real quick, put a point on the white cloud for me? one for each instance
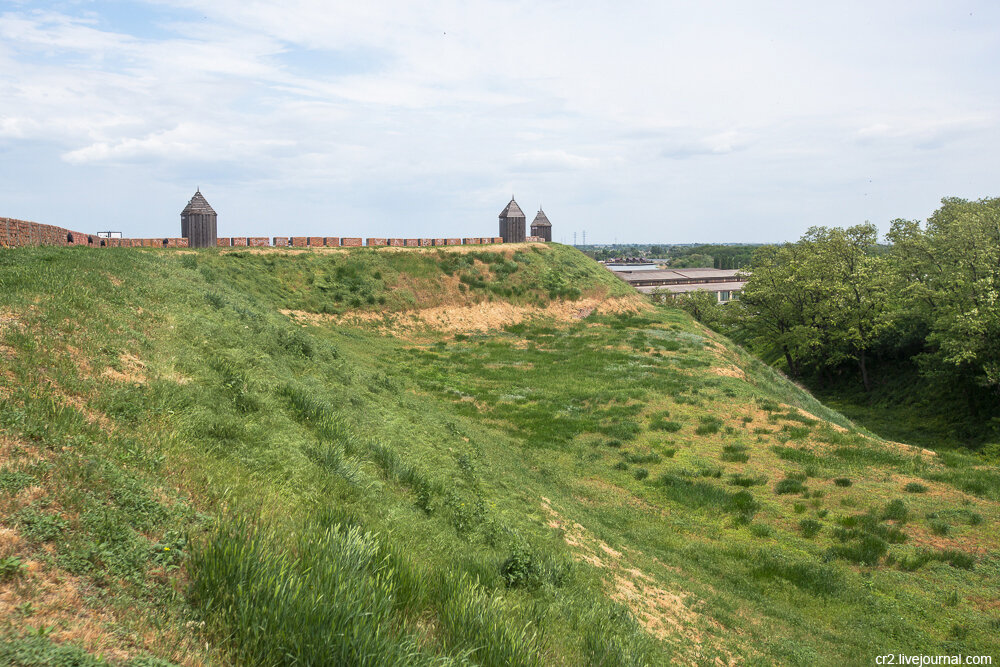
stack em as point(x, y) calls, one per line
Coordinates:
point(559, 100)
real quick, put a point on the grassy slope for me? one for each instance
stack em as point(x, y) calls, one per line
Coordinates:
point(599, 490)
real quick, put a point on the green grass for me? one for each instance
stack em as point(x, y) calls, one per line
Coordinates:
point(329, 493)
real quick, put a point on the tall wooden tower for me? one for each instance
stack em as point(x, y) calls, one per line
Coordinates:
point(199, 222)
point(512, 223)
point(541, 226)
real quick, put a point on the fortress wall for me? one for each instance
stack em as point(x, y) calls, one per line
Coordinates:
point(14, 233)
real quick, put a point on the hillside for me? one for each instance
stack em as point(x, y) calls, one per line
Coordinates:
point(495, 456)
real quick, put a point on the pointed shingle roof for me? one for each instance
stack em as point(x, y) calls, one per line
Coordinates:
point(541, 220)
point(512, 210)
point(198, 204)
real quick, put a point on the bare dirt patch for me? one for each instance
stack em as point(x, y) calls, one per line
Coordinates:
point(507, 249)
point(728, 371)
point(56, 602)
point(133, 370)
point(664, 614)
point(9, 319)
point(481, 317)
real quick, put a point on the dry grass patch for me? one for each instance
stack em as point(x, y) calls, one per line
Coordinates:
point(474, 318)
point(46, 598)
point(664, 614)
point(133, 370)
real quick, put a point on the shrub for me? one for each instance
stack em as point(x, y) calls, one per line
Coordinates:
point(658, 424)
point(641, 473)
point(939, 527)
point(742, 503)
point(953, 557)
point(649, 457)
point(745, 482)
point(703, 494)
point(521, 569)
point(895, 511)
point(797, 432)
point(866, 550)
point(810, 527)
point(915, 487)
point(799, 508)
point(842, 481)
point(956, 558)
point(734, 454)
point(708, 425)
point(760, 530)
point(814, 578)
point(10, 567)
point(789, 485)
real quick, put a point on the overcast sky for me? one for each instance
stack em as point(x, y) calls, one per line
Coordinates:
point(632, 120)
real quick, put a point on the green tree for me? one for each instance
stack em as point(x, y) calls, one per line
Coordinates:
point(703, 305)
point(772, 306)
point(948, 277)
point(851, 281)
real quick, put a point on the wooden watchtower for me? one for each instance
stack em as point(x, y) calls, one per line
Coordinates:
point(199, 222)
point(541, 226)
point(512, 223)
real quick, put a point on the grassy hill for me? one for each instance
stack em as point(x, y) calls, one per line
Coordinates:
point(445, 456)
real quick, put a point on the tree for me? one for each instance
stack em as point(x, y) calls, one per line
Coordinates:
point(851, 280)
point(949, 278)
point(771, 306)
point(818, 302)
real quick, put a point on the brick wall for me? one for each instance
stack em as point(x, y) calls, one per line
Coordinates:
point(25, 233)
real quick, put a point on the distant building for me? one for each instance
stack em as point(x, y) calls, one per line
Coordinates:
point(541, 227)
point(199, 222)
point(726, 284)
point(512, 223)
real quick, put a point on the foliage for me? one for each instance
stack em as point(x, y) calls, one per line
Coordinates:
point(929, 301)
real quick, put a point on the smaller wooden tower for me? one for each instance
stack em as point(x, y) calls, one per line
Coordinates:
point(541, 226)
point(199, 222)
point(512, 223)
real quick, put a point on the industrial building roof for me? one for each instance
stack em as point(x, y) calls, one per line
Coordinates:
point(683, 289)
point(675, 274)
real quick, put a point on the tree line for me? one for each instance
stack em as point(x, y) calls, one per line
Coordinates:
point(837, 298)
point(718, 256)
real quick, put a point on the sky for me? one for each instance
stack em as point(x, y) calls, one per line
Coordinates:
point(632, 121)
